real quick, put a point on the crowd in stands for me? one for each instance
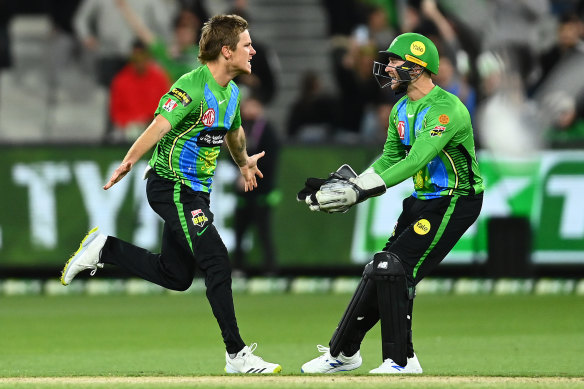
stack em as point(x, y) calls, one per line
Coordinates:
point(514, 63)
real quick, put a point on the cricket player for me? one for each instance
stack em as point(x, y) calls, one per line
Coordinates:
point(429, 138)
point(200, 111)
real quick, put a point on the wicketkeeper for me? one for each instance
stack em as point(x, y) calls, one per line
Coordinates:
point(429, 138)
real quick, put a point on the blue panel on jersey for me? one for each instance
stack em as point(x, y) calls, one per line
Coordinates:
point(420, 121)
point(230, 113)
point(438, 176)
point(188, 163)
point(211, 101)
point(402, 116)
point(209, 183)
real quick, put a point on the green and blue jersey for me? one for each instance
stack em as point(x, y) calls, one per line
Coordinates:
point(200, 112)
point(431, 140)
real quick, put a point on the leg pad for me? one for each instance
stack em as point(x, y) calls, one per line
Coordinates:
point(393, 297)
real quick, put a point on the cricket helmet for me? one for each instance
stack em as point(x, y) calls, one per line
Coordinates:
point(413, 48)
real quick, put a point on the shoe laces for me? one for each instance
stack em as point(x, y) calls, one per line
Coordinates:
point(250, 355)
point(94, 268)
point(325, 350)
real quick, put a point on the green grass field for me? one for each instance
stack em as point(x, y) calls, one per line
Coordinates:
point(174, 341)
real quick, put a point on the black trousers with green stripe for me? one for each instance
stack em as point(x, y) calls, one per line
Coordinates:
point(189, 242)
point(424, 234)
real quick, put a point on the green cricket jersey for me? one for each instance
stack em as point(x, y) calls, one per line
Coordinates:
point(431, 140)
point(200, 112)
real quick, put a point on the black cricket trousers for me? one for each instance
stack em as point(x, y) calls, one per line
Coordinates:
point(424, 234)
point(189, 241)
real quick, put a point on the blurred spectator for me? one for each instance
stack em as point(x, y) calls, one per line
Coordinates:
point(558, 93)
point(265, 65)
point(451, 81)
point(6, 12)
point(452, 31)
point(523, 29)
point(198, 7)
point(358, 30)
point(344, 16)
point(105, 35)
point(440, 28)
point(517, 23)
point(313, 115)
point(568, 43)
point(352, 68)
point(567, 127)
point(378, 29)
point(375, 122)
point(255, 207)
point(135, 94)
point(102, 30)
point(562, 7)
point(511, 125)
point(568, 110)
point(63, 46)
point(427, 18)
point(178, 57)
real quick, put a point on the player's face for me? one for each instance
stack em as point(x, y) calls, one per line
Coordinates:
point(241, 58)
point(390, 69)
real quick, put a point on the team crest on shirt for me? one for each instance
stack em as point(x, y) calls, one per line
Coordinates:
point(443, 119)
point(401, 129)
point(437, 131)
point(208, 117)
point(169, 105)
point(199, 217)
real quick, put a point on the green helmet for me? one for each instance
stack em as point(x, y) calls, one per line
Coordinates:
point(415, 48)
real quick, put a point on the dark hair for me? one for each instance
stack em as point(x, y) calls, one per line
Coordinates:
point(219, 31)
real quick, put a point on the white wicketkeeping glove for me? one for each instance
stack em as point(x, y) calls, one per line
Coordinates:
point(339, 195)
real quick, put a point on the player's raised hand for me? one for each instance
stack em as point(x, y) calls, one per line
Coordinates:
point(250, 170)
point(118, 174)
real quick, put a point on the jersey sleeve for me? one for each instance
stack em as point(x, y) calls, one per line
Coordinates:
point(437, 131)
point(393, 150)
point(439, 128)
point(237, 118)
point(177, 103)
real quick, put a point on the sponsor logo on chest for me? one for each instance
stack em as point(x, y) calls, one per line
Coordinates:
point(211, 138)
point(208, 117)
point(401, 129)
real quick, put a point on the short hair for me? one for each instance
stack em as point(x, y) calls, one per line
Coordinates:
point(219, 31)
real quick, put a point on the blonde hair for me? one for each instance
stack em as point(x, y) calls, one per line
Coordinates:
point(219, 31)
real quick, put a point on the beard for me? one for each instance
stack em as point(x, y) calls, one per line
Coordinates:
point(400, 87)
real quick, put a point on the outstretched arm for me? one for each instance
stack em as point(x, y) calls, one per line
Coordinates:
point(248, 166)
point(153, 133)
point(137, 25)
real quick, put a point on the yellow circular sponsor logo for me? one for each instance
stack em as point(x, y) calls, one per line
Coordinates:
point(422, 227)
point(417, 48)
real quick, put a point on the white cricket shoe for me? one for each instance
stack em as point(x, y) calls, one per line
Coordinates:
point(326, 363)
point(248, 363)
point(86, 257)
point(390, 367)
